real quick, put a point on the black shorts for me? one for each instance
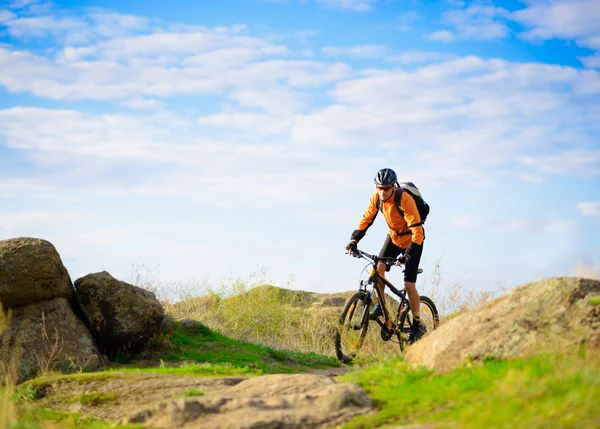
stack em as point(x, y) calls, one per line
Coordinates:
point(390, 250)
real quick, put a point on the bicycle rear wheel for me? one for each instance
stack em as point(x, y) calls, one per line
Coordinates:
point(429, 317)
point(352, 328)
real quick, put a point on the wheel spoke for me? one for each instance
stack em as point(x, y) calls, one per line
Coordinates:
point(353, 327)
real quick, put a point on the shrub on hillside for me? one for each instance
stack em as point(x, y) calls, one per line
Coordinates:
point(265, 314)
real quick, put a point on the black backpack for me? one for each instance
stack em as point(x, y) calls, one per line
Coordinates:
point(411, 188)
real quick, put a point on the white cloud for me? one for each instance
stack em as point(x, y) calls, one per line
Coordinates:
point(474, 22)
point(566, 19)
point(420, 57)
point(468, 117)
point(575, 162)
point(10, 222)
point(36, 21)
point(361, 51)
point(203, 72)
point(112, 24)
point(479, 22)
point(11, 186)
point(111, 56)
point(30, 6)
point(517, 226)
point(351, 5)
point(591, 61)
point(99, 236)
point(465, 119)
point(143, 104)
point(589, 208)
point(354, 5)
point(41, 26)
point(468, 223)
point(154, 155)
point(281, 102)
point(6, 16)
point(250, 122)
point(533, 225)
point(442, 36)
point(542, 20)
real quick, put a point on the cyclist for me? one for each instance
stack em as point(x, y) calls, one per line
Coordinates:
point(405, 237)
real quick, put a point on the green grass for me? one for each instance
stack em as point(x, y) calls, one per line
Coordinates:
point(44, 418)
point(196, 351)
point(595, 300)
point(226, 355)
point(29, 389)
point(193, 392)
point(93, 399)
point(195, 369)
point(547, 391)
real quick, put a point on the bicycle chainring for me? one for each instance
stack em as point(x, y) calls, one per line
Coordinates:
point(386, 334)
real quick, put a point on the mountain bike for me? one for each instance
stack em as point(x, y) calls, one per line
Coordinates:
point(354, 320)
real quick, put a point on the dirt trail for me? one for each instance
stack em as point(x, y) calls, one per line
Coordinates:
point(163, 400)
point(117, 395)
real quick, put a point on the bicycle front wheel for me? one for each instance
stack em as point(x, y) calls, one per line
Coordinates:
point(352, 328)
point(429, 317)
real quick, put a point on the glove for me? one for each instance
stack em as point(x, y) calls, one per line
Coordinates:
point(351, 246)
point(403, 259)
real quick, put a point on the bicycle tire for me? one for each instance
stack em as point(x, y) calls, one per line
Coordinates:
point(352, 327)
point(430, 319)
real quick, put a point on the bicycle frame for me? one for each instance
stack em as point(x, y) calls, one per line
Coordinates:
point(376, 280)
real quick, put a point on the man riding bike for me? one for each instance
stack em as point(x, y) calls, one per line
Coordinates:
point(405, 237)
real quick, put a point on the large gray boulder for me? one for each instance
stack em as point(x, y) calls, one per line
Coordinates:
point(45, 336)
point(554, 314)
point(121, 317)
point(31, 271)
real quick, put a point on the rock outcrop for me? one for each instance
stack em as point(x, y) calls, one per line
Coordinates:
point(30, 271)
point(547, 315)
point(271, 401)
point(44, 336)
point(42, 332)
point(49, 326)
point(121, 317)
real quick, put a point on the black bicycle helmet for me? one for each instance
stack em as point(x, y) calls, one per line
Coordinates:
point(385, 177)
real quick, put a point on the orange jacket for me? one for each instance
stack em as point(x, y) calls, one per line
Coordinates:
point(401, 232)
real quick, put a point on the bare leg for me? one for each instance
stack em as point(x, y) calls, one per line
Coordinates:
point(413, 298)
point(381, 270)
point(381, 286)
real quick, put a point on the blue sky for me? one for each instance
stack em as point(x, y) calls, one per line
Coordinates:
point(197, 141)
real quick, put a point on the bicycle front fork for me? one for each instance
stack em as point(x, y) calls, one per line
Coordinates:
point(389, 324)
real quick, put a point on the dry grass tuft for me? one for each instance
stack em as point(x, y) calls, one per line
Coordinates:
point(268, 315)
point(454, 298)
point(586, 271)
point(8, 411)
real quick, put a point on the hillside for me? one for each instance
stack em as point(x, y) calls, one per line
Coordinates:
point(269, 315)
point(194, 376)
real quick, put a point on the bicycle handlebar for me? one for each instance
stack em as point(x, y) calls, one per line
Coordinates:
point(390, 262)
